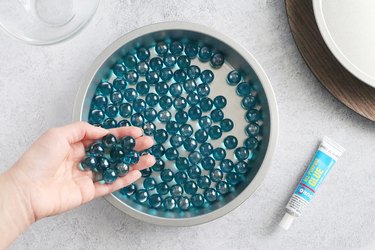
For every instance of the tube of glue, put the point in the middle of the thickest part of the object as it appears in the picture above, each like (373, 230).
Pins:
(326, 156)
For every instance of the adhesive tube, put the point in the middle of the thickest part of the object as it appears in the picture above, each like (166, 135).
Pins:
(326, 156)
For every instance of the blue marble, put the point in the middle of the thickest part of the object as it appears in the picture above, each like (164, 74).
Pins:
(166, 175)
(203, 90)
(194, 171)
(131, 76)
(176, 140)
(146, 172)
(152, 99)
(197, 200)
(109, 123)
(157, 150)
(191, 50)
(137, 119)
(204, 182)
(252, 129)
(130, 61)
(111, 111)
(251, 143)
(149, 183)
(141, 195)
(216, 175)
(195, 112)
(124, 123)
(219, 154)
(155, 200)
(176, 190)
(232, 178)
(252, 115)
(206, 104)
(143, 54)
(186, 130)
(183, 62)
(169, 61)
(181, 117)
(248, 102)
(220, 102)
(156, 63)
(150, 114)
(179, 76)
(109, 140)
(119, 69)
(206, 149)
(161, 136)
(126, 110)
(105, 88)
(195, 157)
(205, 122)
(119, 84)
(234, 77)
(165, 102)
(142, 88)
(169, 203)
(130, 95)
(162, 188)
(179, 103)
(183, 203)
(116, 97)
(192, 99)
(241, 167)
(161, 48)
(131, 157)
(210, 194)
(226, 125)
(142, 68)
(190, 187)
(171, 154)
(217, 60)
(166, 74)
(128, 190)
(222, 187)
(207, 76)
(217, 115)
(162, 88)
(182, 163)
(149, 128)
(172, 127)
(99, 101)
(193, 72)
(176, 48)
(215, 132)
(117, 154)
(230, 142)
(89, 163)
(110, 175)
(180, 177)
(128, 143)
(208, 163)
(190, 85)
(190, 144)
(244, 89)
(175, 89)
(164, 116)
(226, 165)
(205, 53)
(103, 163)
(158, 166)
(139, 105)
(201, 135)
(152, 77)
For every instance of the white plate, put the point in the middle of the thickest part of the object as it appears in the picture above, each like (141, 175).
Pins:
(348, 28)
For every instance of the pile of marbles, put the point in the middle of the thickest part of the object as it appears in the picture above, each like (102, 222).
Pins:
(160, 90)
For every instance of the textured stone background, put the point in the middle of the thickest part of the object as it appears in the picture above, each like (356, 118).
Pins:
(38, 86)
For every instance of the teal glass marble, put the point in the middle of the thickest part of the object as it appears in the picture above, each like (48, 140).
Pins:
(222, 187)
(215, 132)
(248, 102)
(142, 68)
(149, 183)
(103, 163)
(146, 172)
(143, 54)
(164, 116)
(181, 117)
(125, 110)
(179, 76)
(203, 90)
(156, 63)
(182, 163)
(252, 115)
(119, 69)
(157, 150)
(131, 157)
(183, 203)
(205, 122)
(99, 101)
(161, 48)
(217, 60)
(128, 143)
(162, 88)
(252, 129)
(220, 102)
(186, 130)
(123, 123)
(219, 154)
(194, 171)
(176, 48)
(152, 99)
(206, 149)
(130, 95)
(165, 102)
(169, 61)
(226, 125)
(241, 167)
(130, 61)
(152, 77)
(131, 76)
(207, 76)
(204, 182)
(166, 175)
(183, 62)
(109, 123)
(158, 166)
(190, 144)
(122, 169)
(128, 190)
(195, 112)
(172, 127)
(193, 72)
(142, 88)
(226, 165)
(169, 203)
(190, 187)
(155, 200)
(161, 136)
(197, 200)
(149, 128)
(139, 105)
(119, 84)
(210, 194)
(179, 103)
(192, 99)
(217, 115)
(216, 175)
(190, 85)
(150, 114)
(191, 50)
(96, 116)
(195, 157)
(232, 178)
(111, 111)
(230, 142)
(201, 135)
(116, 97)
(180, 177)
(117, 154)
(251, 143)
(137, 119)
(206, 104)
(141, 195)
(110, 175)
(175, 89)
(244, 89)
(176, 140)
(176, 190)
(105, 88)
(208, 163)
(166, 74)
(234, 77)
(205, 53)
(89, 163)
(162, 188)
(171, 154)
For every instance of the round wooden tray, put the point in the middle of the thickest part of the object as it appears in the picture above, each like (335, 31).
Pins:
(352, 92)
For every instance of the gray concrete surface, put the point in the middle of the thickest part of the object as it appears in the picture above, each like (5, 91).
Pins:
(37, 90)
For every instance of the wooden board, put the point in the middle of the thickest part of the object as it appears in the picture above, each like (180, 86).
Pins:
(352, 92)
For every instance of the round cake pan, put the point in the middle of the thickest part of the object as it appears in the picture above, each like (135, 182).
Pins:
(236, 57)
